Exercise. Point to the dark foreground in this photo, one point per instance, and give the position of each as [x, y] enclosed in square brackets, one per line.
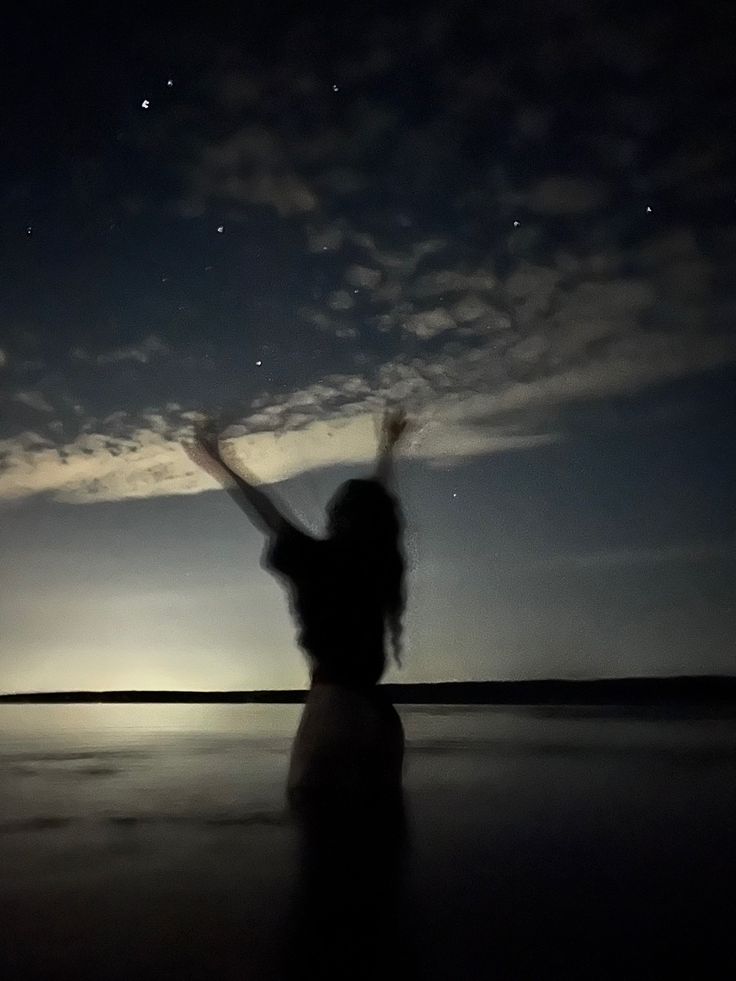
[537, 844]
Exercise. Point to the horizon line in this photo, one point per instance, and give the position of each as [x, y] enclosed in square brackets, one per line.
[672, 685]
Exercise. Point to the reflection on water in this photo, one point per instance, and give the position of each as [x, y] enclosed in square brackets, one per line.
[543, 843]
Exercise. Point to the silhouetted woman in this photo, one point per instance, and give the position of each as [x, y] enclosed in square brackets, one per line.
[347, 594]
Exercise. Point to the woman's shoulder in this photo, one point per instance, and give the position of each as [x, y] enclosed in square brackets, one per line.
[290, 548]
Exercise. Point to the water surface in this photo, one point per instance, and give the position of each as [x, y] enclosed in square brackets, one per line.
[544, 842]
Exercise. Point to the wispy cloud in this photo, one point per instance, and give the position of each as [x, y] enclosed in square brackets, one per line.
[462, 395]
[253, 166]
[34, 400]
[429, 323]
[557, 195]
[143, 352]
[314, 428]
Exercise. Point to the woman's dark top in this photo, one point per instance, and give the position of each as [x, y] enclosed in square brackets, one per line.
[337, 604]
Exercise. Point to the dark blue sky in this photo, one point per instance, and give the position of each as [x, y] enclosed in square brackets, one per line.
[519, 221]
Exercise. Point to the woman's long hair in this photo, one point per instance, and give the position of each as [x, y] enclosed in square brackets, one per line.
[366, 516]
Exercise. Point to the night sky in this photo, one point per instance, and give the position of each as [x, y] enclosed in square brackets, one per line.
[518, 220]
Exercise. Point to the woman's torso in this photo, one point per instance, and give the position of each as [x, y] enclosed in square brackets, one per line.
[338, 608]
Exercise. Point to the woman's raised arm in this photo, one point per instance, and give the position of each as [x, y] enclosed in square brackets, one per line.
[393, 427]
[205, 452]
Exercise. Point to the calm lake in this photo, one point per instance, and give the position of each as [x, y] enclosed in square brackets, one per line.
[555, 842]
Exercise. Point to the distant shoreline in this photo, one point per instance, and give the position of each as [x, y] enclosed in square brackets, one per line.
[698, 689]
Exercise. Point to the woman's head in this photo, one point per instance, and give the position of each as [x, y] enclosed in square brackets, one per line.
[359, 509]
[363, 515]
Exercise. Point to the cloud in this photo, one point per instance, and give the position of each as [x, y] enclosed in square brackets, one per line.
[363, 276]
[93, 467]
[327, 238]
[332, 422]
[567, 327]
[463, 397]
[564, 196]
[429, 323]
[342, 181]
[591, 312]
[400, 263]
[3, 358]
[317, 318]
[340, 300]
[142, 353]
[471, 307]
[530, 289]
[34, 400]
[443, 281]
[29, 441]
[253, 166]
[365, 130]
[391, 292]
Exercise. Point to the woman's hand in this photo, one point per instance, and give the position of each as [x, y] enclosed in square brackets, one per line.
[206, 453]
[395, 425]
[205, 449]
[206, 436]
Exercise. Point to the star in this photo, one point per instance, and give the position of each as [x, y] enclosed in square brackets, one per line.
[145, 104]
[220, 229]
[335, 88]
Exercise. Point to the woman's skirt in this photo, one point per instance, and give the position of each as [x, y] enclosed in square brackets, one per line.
[349, 747]
[345, 791]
